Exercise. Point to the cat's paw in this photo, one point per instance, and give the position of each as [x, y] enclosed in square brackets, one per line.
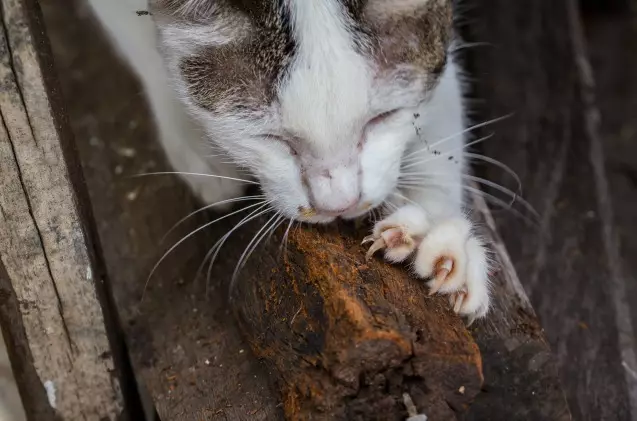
[448, 255]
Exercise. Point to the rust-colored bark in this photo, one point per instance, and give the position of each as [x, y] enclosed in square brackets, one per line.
[345, 338]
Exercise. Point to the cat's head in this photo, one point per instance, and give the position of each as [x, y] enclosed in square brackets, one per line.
[316, 97]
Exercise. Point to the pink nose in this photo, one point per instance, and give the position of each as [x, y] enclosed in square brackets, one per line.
[335, 191]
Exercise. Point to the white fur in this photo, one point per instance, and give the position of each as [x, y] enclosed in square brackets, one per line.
[323, 108]
[443, 231]
[181, 137]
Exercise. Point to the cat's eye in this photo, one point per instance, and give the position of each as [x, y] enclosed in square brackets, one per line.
[384, 116]
[280, 139]
[378, 119]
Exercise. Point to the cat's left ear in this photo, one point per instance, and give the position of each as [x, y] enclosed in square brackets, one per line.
[380, 10]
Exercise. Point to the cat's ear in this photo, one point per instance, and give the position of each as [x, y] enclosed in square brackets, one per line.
[411, 32]
[186, 25]
[386, 9]
[185, 10]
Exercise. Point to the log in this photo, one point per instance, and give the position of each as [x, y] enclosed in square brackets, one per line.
[345, 338]
[54, 309]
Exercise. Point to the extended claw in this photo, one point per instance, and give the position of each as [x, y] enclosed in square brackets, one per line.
[368, 239]
[443, 269]
[459, 298]
[378, 244]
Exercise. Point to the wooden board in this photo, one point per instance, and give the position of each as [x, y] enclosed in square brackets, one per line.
[50, 285]
[533, 63]
[184, 342]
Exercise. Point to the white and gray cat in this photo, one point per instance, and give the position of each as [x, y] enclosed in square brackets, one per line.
[336, 107]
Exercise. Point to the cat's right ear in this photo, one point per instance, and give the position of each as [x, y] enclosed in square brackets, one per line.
[187, 25]
[195, 11]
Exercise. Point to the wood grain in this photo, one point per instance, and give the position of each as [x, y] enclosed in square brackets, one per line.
[530, 64]
[51, 313]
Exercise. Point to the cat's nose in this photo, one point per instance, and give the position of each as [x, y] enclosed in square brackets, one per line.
[334, 191]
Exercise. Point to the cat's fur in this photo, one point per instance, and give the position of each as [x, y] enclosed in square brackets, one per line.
[335, 106]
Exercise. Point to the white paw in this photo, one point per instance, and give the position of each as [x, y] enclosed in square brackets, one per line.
[452, 260]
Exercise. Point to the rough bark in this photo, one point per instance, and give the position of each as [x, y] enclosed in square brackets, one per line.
[345, 337]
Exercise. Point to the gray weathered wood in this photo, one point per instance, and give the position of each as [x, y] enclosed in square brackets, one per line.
[48, 282]
[532, 63]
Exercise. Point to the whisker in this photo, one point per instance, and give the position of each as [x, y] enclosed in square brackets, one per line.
[498, 164]
[187, 237]
[514, 196]
[402, 196]
[279, 222]
[236, 199]
[248, 250]
[195, 174]
[445, 154]
[216, 248]
[462, 46]
[485, 195]
[468, 129]
[284, 241]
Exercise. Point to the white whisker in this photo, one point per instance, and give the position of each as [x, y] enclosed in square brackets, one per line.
[187, 237]
[236, 199]
[216, 248]
[195, 174]
[498, 164]
[489, 196]
[415, 177]
[284, 241]
[249, 249]
[468, 129]
[402, 196]
[445, 154]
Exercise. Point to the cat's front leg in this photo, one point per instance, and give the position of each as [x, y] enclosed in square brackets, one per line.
[429, 226]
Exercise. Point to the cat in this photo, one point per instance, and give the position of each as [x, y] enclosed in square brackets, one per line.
[335, 107]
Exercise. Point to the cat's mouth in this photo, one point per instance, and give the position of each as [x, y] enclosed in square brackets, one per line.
[311, 215]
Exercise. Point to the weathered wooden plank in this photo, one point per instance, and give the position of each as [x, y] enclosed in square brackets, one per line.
[530, 64]
[51, 312]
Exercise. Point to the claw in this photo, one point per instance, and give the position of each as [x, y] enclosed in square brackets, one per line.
[378, 245]
[368, 239]
[440, 275]
[471, 319]
[459, 297]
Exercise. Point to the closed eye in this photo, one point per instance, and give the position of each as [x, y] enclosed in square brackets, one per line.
[378, 119]
[382, 117]
[280, 139]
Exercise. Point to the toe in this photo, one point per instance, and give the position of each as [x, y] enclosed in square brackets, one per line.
[442, 269]
[378, 244]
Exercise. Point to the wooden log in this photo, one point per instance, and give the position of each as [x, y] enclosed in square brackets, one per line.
[50, 284]
[346, 338]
